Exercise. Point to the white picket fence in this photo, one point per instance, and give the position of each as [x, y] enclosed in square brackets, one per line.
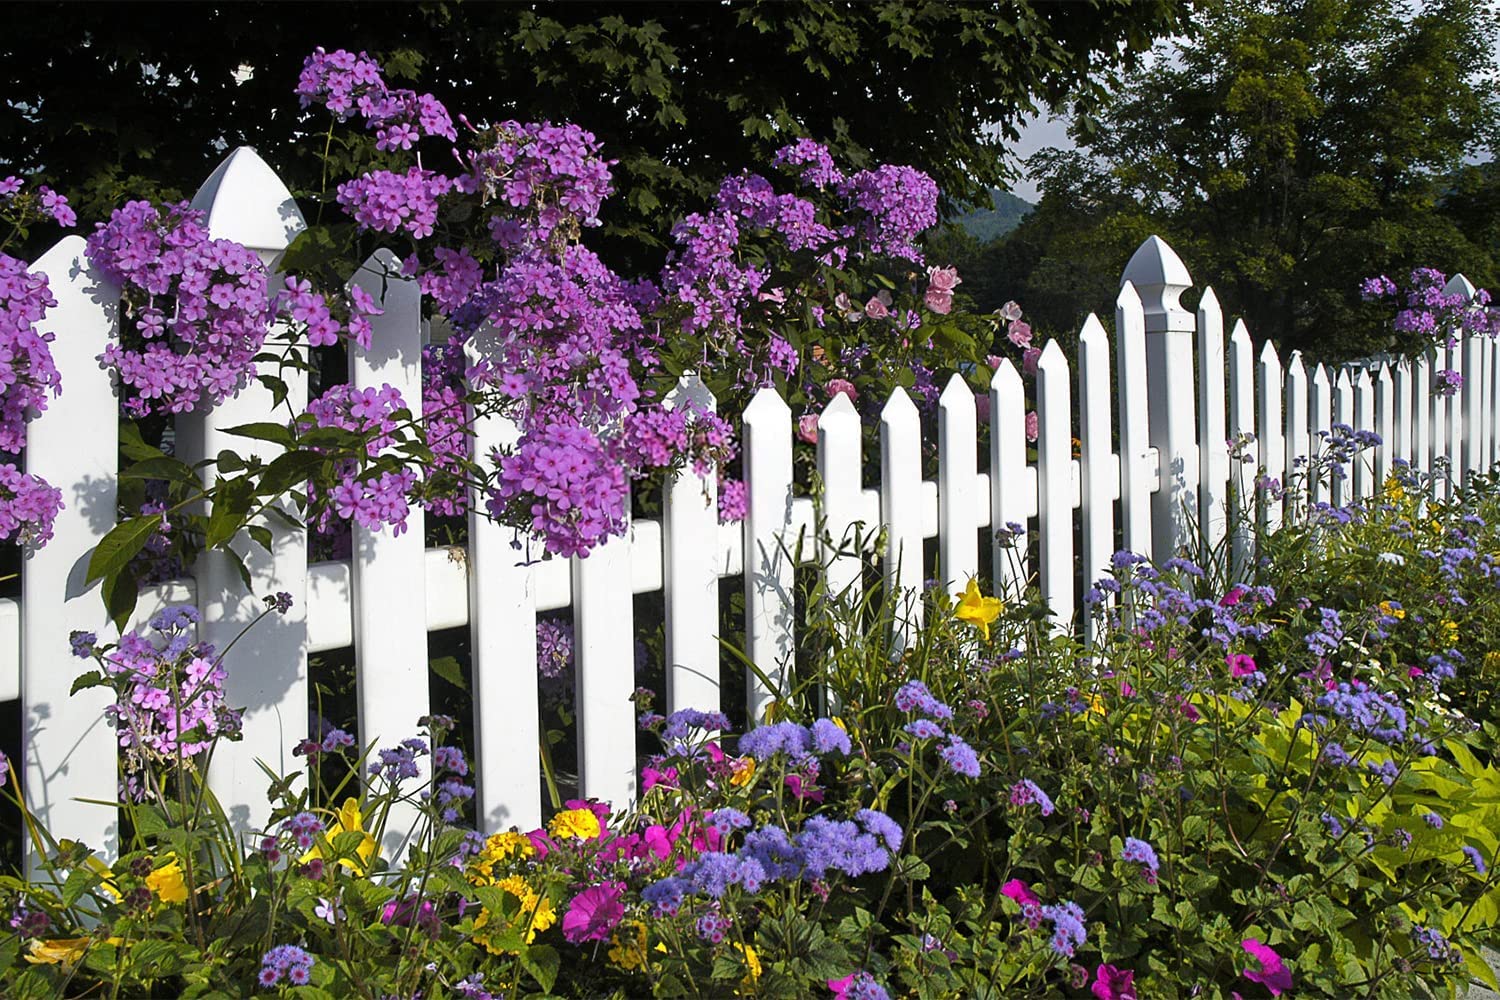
[1178, 394]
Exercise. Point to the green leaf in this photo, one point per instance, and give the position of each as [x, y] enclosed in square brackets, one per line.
[261, 535]
[231, 503]
[229, 461]
[82, 682]
[542, 962]
[161, 467]
[116, 549]
[120, 593]
[79, 881]
[448, 669]
[265, 431]
[132, 446]
[292, 469]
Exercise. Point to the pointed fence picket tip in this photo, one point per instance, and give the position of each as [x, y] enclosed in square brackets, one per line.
[1343, 380]
[690, 389]
[1005, 377]
[1268, 354]
[1460, 285]
[840, 409]
[1321, 377]
[1092, 328]
[1363, 380]
[246, 202]
[1208, 301]
[1052, 355]
[897, 406]
[767, 404]
[1240, 332]
[1295, 365]
[957, 390]
[1129, 296]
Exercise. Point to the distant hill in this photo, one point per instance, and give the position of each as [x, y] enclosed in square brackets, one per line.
[989, 224]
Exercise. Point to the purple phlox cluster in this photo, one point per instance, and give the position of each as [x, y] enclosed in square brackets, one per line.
[169, 698]
[371, 500]
[288, 962]
[1432, 313]
[858, 986]
[1025, 792]
[734, 501]
[1377, 288]
[347, 84]
[1447, 382]
[445, 425]
[388, 201]
[27, 372]
[196, 313]
[900, 204]
[44, 203]
[471, 987]
[28, 507]
[1378, 714]
[1143, 854]
[1475, 858]
[811, 162]
[552, 176]
[554, 649]
[1068, 930]
[400, 763]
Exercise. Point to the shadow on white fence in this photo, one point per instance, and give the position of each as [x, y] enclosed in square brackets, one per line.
[1179, 394]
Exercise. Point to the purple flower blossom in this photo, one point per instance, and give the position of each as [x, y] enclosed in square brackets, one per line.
[1141, 853]
[1025, 792]
[1068, 930]
[961, 757]
[285, 961]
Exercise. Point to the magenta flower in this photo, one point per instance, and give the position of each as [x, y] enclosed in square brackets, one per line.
[1111, 983]
[1020, 892]
[1273, 973]
[594, 913]
[1240, 665]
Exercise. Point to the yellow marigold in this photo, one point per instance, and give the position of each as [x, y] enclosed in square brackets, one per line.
[1450, 631]
[1387, 608]
[752, 961]
[348, 820]
[742, 772]
[535, 916]
[498, 848]
[978, 610]
[579, 823]
[168, 882]
[628, 946]
[1096, 705]
[66, 952]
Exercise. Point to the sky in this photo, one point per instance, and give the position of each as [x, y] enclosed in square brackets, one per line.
[1038, 132]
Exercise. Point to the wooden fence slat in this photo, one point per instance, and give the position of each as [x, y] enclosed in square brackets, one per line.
[690, 580]
[267, 668]
[841, 468]
[1320, 406]
[1421, 409]
[1136, 478]
[390, 643]
[769, 546]
[604, 664]
[1442, 467]
[1385, 424]
[1402, 427]
[1242, 430]
[1213, 451]
[958, 486]
[1298, 448]
[1270, 392]
[68, 750]
[1055, 483]
[1012, 493]
[901, 510]
[1364, 417]
[1097, 467]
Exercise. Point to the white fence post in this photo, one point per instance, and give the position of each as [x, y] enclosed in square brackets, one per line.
[390, 633]
[1054, 484]
[1320, 404]
[901, 510]
[1421, 410]
[1364, 420]
[604, 665]
[1298, 447]
[1441, 428]
[1135, 471]
[841, 468]
[1402, 427]
[958, 486]
[690, 579]
[1009, 479]
[69, 752]
[1385, 424]
[1344, 413]
[1097, 470]
[1242, 429]
[1159, 278]
[769, 574]
[267, 668]
[1213, 449]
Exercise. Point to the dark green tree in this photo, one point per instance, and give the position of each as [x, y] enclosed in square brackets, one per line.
[1286, 149]
[129, 100]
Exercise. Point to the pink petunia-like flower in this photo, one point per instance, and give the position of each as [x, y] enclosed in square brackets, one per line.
[1033, 427]
[939, 301]
[943, 278]
[594, 913]
[1240, 664]
[1273, 974]
[807, 428]
[1111, 983]
[1020, 892]
[879, 306]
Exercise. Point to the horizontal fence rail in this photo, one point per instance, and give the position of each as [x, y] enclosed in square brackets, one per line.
[1139, 443]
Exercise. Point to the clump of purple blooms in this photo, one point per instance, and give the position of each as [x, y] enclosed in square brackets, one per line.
[285, 962]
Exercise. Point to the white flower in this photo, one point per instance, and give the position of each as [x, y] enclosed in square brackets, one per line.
[1392, 558]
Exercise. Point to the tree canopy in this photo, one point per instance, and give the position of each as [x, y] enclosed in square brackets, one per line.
[114, 101]
[1286, 149]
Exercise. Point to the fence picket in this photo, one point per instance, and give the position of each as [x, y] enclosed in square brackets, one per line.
[1213, 451]
[1364, 417]
[1421, 410]
[769, 548]
[1054, 499]
[690, 579]
[1009, 479]
[1441, 427]
[1385, 423]
[1096, 461]
[1135, 473]
[1268, 418]
[1344, 413]
[390, 636]
[1320, 405]
[68, 749]
[1242, 431]
[901, 509]
[841, 468]
[1297, 446]
[1402, 427]
[958, 486]
[267, 668]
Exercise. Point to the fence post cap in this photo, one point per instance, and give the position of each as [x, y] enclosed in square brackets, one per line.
[1159, 277]
[1459, 285]
[246, 202]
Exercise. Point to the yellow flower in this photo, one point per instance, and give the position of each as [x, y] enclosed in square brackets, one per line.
[66, 952]
[168, 882]
[347, 820]
[742, 772]
[1390, 610]
[499, 847]
[978, 610]
[628, 946]
[579, 823]
[107, 874]
[536, 915]
[1096, 705]
[752, 961]
[1450, 630]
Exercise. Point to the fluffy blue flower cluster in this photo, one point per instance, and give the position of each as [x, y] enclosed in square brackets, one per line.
[914, 697]
[796, 741]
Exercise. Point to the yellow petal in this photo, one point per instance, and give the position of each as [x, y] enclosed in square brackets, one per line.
[168, 883]
[64, 951]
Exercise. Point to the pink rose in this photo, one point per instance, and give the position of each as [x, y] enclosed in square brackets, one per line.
[1019, 334]
[943, 278]
[1010, 312]
[838, 385]
[993, 360]
[982, 406]
[807, 428]
[1032, 430]
[879, 306]
[1029, 358]
[939, 300]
